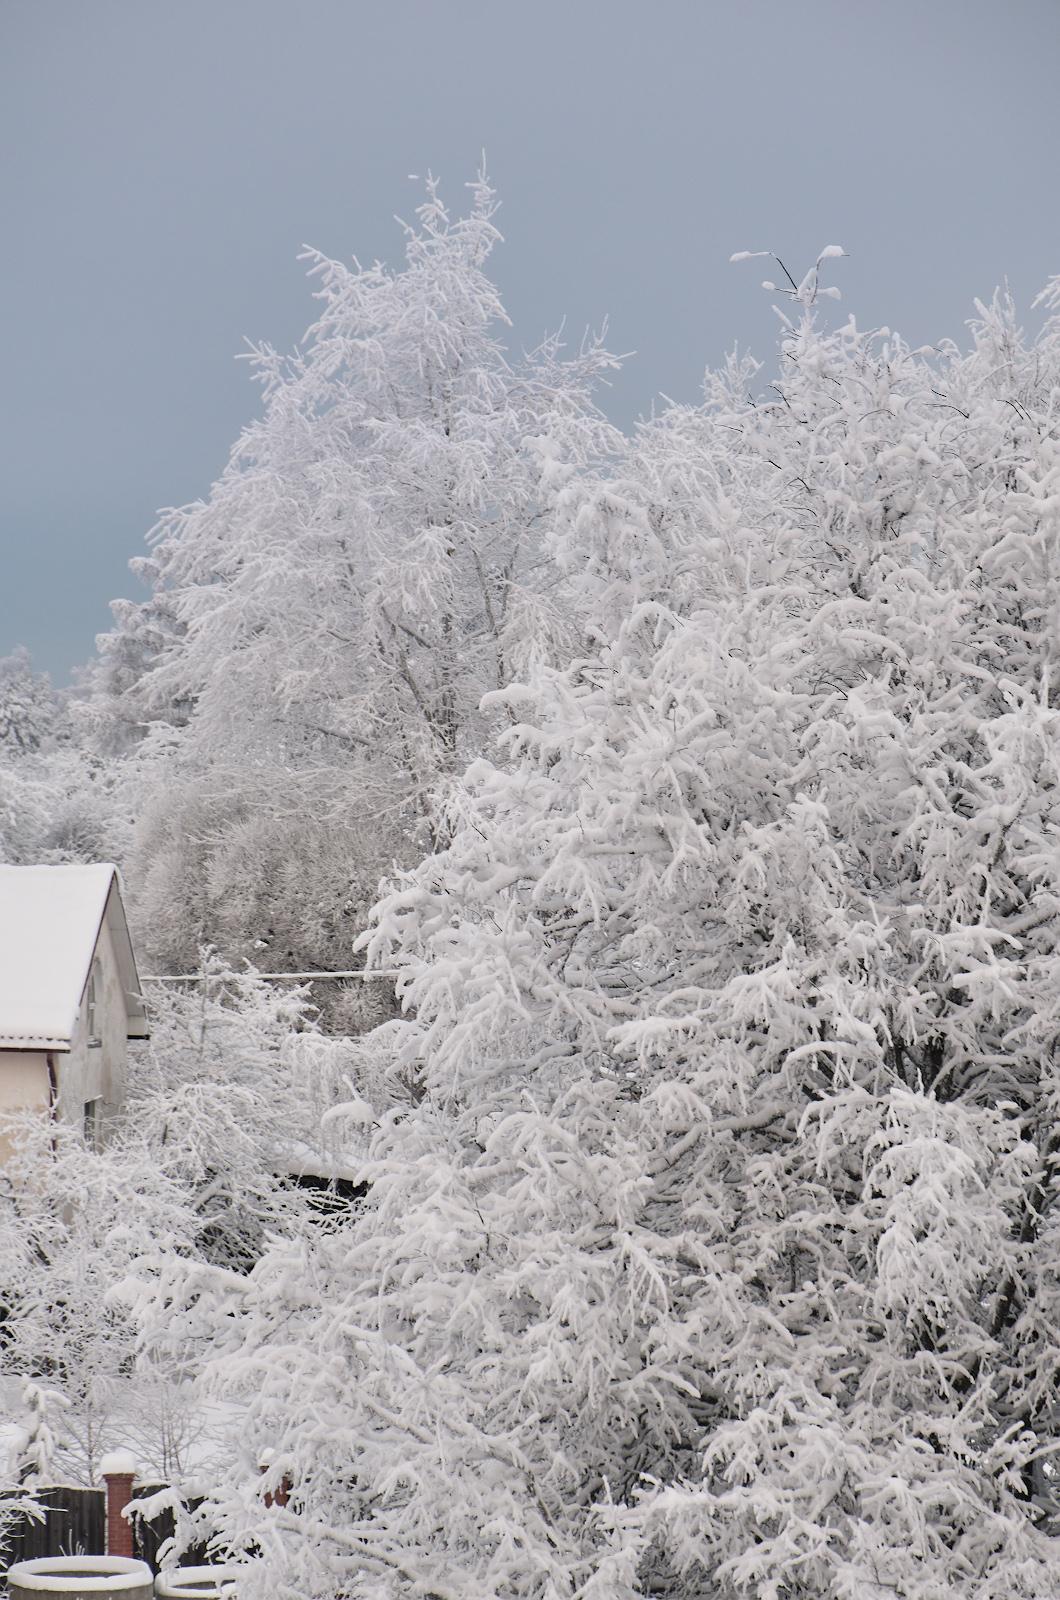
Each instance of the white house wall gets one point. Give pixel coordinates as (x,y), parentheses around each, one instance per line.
(96,1072)
(23,1086)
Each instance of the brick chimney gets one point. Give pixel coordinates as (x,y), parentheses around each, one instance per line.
(282,1493)
(118,1469)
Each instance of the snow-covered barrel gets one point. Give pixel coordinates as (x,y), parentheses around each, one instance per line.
(195,1583)
(80,1578)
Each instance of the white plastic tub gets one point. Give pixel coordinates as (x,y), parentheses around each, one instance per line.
(195,1583)
(80,1578)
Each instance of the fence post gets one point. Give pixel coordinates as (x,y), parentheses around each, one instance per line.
(118,1469)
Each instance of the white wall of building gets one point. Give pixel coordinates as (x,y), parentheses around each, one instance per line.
(92,1070)
(96,1071)
(23,1087)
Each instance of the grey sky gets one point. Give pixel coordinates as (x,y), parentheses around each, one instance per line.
(164,160)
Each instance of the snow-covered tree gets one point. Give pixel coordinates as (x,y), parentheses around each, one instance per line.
(29,707)
(710,1247)
(323,627)
(60,799)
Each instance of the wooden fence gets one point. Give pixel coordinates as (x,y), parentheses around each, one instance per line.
(150,1536)
(75,1524)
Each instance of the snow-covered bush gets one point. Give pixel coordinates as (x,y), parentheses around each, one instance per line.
(227,1112)
(81,1233)
(231,1097)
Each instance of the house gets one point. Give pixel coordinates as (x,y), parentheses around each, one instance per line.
(69,994)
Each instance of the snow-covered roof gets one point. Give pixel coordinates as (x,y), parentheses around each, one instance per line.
(50,920)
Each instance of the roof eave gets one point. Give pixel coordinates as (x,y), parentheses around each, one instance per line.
(35,1045)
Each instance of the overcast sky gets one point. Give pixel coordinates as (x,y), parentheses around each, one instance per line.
(164,161)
